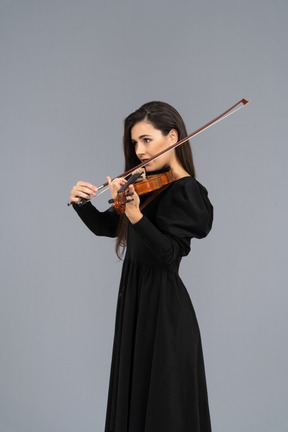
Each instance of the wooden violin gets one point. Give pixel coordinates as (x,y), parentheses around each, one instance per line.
(220,117)
(151,182)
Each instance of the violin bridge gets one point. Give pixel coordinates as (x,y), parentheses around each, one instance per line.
(141,170)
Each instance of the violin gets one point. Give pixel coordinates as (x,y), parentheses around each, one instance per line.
(237,106)
(153,181)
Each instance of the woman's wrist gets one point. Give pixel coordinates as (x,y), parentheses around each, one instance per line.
(134,216)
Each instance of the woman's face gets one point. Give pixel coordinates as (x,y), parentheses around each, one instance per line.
(149,141)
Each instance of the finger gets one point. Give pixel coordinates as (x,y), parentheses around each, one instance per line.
(87,190)
(112,183)
(119,181)
(82,192)
(74,199)
(86,184)
(112,188)
(132,189)
(77,196)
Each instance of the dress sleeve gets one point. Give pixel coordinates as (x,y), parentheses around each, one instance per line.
(184,212)
(100,223)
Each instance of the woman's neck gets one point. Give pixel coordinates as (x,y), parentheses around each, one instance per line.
(179,171)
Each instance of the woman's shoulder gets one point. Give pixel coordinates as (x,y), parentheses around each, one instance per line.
(185,205)
(184,181)
(188,196)
(187,187)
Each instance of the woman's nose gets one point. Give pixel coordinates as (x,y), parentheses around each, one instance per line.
(140,150)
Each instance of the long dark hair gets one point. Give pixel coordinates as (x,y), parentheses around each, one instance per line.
(163,117)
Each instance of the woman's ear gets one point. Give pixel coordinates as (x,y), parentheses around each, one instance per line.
(173,135)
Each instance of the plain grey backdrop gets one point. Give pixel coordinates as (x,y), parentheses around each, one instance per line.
(71,71)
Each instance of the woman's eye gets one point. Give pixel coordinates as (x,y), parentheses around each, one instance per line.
(147,140)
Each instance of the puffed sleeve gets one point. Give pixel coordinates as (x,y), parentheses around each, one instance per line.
(183,212)
(100,223)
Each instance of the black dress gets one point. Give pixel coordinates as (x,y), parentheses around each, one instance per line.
(157,381)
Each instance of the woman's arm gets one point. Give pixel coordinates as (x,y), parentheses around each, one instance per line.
(100,223)
(184,212)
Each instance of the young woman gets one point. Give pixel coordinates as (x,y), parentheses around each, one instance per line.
(157,381)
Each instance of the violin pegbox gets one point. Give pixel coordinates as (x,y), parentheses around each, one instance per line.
(119,203)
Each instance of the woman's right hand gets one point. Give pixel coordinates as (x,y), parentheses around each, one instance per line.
(82,190)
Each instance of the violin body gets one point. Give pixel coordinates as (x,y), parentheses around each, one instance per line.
(154,182)
(151,183)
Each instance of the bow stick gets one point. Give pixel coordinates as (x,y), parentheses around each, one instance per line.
(234,108)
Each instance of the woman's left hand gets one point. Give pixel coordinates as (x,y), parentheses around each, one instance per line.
(132,207)
(115,185)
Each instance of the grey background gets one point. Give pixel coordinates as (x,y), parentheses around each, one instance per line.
(71,71)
